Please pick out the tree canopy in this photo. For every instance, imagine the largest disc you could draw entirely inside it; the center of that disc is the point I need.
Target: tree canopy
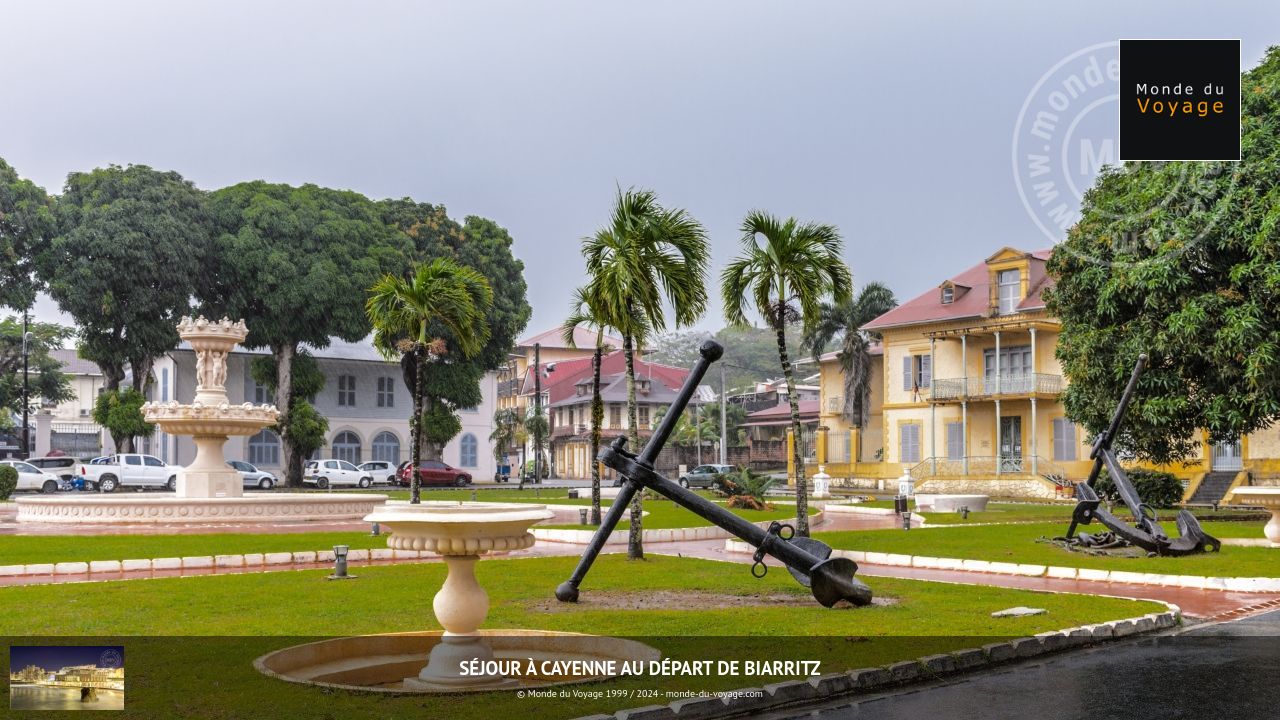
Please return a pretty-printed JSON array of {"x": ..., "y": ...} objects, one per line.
[
  {"x": 44, "y": 373},
  {"x": 26, "y": 224},
  {"x": 1180, "y": 261},
  {"x": 131, "y": 245}
]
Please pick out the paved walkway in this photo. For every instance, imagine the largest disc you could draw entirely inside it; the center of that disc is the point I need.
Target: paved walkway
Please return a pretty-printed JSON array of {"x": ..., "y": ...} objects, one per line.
[{"x": 1211, "y": 671}]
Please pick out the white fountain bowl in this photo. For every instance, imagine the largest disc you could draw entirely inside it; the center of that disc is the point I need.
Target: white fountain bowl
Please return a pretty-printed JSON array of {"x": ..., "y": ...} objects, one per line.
[
  {"x": 1267, "y": 497},
  {"x": 169, "y": 509},
  {"x": 459, "y": 528}
]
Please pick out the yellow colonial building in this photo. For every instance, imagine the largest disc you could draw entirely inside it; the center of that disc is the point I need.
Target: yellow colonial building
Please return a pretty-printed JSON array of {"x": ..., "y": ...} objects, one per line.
[{"x": 965, "y": 398}]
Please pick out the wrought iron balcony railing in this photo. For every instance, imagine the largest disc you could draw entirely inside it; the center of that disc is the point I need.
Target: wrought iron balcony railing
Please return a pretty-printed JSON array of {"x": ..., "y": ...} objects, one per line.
[
  {"x": 1005, "y": 385},
  {"x": 986, "y": 466}
]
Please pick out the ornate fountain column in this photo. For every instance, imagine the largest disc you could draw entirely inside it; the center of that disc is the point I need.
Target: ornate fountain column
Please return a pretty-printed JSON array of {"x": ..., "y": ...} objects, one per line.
[{"x": 210, "y": 419}]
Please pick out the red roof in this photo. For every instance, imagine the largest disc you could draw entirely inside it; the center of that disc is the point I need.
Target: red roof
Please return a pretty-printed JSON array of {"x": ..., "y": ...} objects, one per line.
[
  {"x": 583, "y": 338},
  {"x": 972, "y": 297},
  {"x": 559, "y": 383},
  {"x": 781, "y": 413}
]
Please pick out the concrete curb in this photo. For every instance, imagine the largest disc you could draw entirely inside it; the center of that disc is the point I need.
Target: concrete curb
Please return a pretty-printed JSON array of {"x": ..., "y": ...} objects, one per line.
[
  {"x": 752, "y": 701},
  {"x": 1233, "y": 584},
  {"x": 619, "y": 537}
]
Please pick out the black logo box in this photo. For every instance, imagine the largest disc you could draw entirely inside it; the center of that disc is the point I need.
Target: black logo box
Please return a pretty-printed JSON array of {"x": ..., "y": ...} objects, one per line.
[{"x": 1160, "y": 77}]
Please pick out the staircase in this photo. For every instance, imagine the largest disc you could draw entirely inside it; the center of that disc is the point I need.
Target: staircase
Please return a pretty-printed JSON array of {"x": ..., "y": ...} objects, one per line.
[{"x": 1213, "y": 487}]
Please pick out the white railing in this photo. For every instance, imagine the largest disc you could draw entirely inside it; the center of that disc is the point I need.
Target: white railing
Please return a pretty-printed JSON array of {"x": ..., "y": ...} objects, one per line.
[{"x": 1020, "y": 384}]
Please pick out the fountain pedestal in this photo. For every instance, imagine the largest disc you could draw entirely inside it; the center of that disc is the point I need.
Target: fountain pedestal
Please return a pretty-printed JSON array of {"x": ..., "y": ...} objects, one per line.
[
  {"x": 1266, "y": 497},
  {"x": 461, "y": 533}
]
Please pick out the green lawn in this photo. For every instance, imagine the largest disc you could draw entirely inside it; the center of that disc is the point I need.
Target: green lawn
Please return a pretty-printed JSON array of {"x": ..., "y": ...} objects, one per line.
[
  {"x": 212, "y": 676},
  {"x": 1009, "y": 512},
  {"x": 663, "y": 514},
  {"x": 1018, "y": 543},
  {"x": 30, "y": 549}
]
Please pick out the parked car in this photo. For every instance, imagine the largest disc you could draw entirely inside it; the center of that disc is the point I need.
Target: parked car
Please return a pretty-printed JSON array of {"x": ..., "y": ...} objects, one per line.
[
  {"x": 381, "y": 470},
  {"x": 324, "y": 473},
  {"x": 703, "y": 476},
  {"x": 252, "y": 476},
  {"x": 63, "y": 466},
  {"x": 31, "y": 477},
  {"x": 434, "y": 472},
  {"x": 131, "y": 470}
]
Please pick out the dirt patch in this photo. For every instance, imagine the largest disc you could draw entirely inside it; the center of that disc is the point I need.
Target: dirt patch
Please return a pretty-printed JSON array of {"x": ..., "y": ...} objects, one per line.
[{"x": 668, "y": 599}]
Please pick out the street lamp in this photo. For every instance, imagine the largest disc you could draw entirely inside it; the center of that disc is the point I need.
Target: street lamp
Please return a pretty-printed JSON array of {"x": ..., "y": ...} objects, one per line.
[
  {"x": 340, "y": 563},
  {"x": 27, "y": 337}
]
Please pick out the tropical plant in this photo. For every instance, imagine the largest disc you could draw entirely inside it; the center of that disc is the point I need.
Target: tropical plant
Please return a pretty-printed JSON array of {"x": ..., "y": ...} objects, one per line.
[
  {"x": 537, "y": 427},
  {"x": 120, "y": 412},
  {"x": 844, "y": 321},
  {"x": 647, "y": 257},
  {"x": 8, "y": 481},
  {"x": 405, "y": 311},
  {"x": 586, "y": 311},
  {"x": 746, "y": 489},
  {"x": 504, "y": 433},
  {"x": 44, "y": 378},
  {"x": 785, "y": 271}
]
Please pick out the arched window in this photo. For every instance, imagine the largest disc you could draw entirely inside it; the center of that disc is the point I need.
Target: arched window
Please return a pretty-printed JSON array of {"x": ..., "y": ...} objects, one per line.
[
  {"x": 264, "y": 448},
  {"x": 468, "y": 451},
  {"x": 346, "y": 446},
  {"x": 386, "y": 446}
]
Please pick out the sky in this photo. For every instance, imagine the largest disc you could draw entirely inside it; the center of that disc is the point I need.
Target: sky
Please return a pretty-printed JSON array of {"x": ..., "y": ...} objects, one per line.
[
  {"x": 56, "y": 657},
  {"x": 894, "y": 121}
]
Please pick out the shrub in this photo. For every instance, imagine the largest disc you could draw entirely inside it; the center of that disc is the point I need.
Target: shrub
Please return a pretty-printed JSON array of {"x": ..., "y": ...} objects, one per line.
[
  {"x": 1156, "y": 488},
  {"x": 8, "y": 481},
  {"x": 744, "y": 490}
]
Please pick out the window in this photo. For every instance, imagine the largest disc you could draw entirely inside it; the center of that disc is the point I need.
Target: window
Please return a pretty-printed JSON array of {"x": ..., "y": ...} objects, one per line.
[
  {"x": 260, "y": 394},
  {"x": 347, "y": 390},
  {"x": 264, "y": 448},
  {"x": 164, "y": 384},
  {"x": 909, "y": 443},
  {"x": 467, "y": 456},
  {"x": 344, "y": 465},
  {"x": 1064, "y": 439},
  {"x": 152, "y": 461},
  {"x": 1009, "y": 290},
  {"x": 615, "y": 416},
  {"x": 917, "y": 371},
  {"x": 955, "y": 441},
  {"x": 386, "y": 446},
  {"x": 132, "y": 460},
  {"x": 346, "y": 446},
  {"x": 386, "y": 392},
  {"x": 642, "y": 416},
  {"x": 948, "y": 295}
]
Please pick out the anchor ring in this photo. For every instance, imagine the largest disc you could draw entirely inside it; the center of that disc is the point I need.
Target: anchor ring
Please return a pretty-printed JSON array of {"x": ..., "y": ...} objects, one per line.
[{"x": 764, "y": 570}]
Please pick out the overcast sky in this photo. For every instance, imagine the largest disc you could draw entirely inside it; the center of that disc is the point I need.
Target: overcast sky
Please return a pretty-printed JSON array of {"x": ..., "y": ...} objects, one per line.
[{"x": 892, "y": 120}]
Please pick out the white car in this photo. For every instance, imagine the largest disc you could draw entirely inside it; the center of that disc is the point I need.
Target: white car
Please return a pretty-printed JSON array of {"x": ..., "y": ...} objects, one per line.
[
  {"x": 252, "y": 476},
  {"x": 130, "y": 470},
  {"x": 31, "y": 477},
  {"x": 325, "y": 473},
  {"x": 381, "y": 470}
]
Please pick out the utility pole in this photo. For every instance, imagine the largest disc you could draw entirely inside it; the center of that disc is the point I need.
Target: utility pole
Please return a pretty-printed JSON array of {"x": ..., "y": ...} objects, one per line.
[
  {"x": 26, "y": 391},
  {"x": 537, "y": 409},
  {"x": 724, "y": 436}
]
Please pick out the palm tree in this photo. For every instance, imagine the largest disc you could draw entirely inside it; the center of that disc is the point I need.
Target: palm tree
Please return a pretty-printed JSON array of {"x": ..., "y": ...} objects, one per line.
[
  {"x": 504, "y": 433},
  {"x": 645, "y": 258},
  {"x": 844, "y": 320},
  {"x": 408, "y": 312},
  {"x": 786, "y": 277},
  {"x": 586, "y": 311}
]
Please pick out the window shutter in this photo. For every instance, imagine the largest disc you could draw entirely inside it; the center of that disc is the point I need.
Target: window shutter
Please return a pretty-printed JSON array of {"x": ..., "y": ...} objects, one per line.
[
  {"x": 906, "y": 372},
  {"x": 926, "y": 371}
]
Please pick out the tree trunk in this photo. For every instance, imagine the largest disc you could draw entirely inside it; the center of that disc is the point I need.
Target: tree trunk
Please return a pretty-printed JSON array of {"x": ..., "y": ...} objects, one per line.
[
  {"x": 142, "y": 372},
  {"x": 635, "y": 542},
  {"x": 797, "y": 432},
  {"x": 284, "y": 403},
  {"x": 415, "y": 427},
  {"x": 597, "y": 417}
]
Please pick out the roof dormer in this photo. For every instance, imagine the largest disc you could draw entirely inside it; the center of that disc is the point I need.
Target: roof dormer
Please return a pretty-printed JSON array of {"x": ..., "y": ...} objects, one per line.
[
  {"x": 949, "y": 292},
  {"x": 1009, "y": 274}
]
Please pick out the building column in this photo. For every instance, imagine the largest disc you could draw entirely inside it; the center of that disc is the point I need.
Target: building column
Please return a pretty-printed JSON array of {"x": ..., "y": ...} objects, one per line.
[
  {"x": 997, "y": 393},
  {"x": 964, "y": 433},
  {"x": 791, "y": 458},
  {"x": 933, "y": 407},
  {"x": 820, "y": 439},
  {"x": 855, "y": 448},
  {"x": 1034, "y": 447}
]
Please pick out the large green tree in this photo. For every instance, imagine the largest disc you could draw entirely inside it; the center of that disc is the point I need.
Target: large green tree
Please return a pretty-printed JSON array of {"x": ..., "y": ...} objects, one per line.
[
  {"x": 785, "y": 271},
  {"x": 45, "y": 378},
  {"x": 1180, "y": 261},
  {"x": 404, "y": 311},
  {"x": 843, "y": 321},
  {"x": 307, "y": 427},
  {"x": 485, "y": 247},
  {"x": 131, "y": 245},
  {"x": 295, "y": 264},
  {"x": 26, "y": 224},
  {"x": 646, "y": 258}
]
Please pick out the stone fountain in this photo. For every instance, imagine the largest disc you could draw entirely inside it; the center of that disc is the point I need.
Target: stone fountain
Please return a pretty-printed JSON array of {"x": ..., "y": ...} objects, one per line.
[
  {"x": 208, "y": 491},
  {"x": 433, "y": 662},
  {"x": 1265, "y": 497}
]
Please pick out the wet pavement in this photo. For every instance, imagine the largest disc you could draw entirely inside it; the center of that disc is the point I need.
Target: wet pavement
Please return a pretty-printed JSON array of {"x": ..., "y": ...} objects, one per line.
[{"x": 1213, "y": 671}]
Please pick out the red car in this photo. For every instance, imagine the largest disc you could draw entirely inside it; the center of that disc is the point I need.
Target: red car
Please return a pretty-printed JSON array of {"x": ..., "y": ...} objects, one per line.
[{"x": 434, "y": 472}]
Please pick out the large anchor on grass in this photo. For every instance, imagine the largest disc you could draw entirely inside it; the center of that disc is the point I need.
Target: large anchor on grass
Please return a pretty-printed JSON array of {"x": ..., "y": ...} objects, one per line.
[
  {"x": 1145, "y": 532},
  {"x": 830, "y": 579}
]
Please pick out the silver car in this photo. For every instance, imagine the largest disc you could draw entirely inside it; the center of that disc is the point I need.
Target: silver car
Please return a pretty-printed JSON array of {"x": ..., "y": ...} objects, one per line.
[
  {"x": 704, "y": 475},
  {"x": 252, "y": 476},
  {"x": 381, "y": 470}
]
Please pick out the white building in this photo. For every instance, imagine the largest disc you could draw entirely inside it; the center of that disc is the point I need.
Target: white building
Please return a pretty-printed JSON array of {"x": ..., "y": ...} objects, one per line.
[{"x": 364, "y": 399}]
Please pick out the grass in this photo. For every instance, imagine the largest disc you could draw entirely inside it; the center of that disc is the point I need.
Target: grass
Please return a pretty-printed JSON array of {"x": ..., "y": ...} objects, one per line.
[
  {"x": 1011, "y": 512},
  {"x": 664, "y": 514},
  {"x": 1018, "y": 543},
  {"x": 212, "y": 676},
  {"x": 31, "y": 549}
]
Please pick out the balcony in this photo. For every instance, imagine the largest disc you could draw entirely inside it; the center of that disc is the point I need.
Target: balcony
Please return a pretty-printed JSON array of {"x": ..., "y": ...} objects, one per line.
[{"x": 989, "y": 388}]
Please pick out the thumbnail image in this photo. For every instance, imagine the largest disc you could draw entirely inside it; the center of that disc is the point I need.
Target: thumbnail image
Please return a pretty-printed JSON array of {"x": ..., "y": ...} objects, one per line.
[{"x": 66, "y": 677}]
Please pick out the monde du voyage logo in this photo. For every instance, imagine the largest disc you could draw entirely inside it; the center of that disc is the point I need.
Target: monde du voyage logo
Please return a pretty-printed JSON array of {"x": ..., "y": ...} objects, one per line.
[{"x": 1179, "y": 100}]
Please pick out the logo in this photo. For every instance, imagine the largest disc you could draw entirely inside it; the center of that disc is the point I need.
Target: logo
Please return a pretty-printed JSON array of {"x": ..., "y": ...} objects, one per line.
[{"x": 110, "y": 658}]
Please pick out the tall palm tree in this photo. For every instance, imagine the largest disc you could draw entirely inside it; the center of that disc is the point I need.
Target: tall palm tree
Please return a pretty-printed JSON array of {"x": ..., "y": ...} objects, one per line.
[
  {"x": 786, "y": 269},
  {"x": 647, "y": 257},
  {"x": 406, "y": 312},
  {"x": 586, "y": 311},
  {"x": 845, "y": 320}
]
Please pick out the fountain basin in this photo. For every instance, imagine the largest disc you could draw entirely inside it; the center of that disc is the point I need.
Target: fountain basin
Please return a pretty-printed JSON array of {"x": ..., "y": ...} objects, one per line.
[
  {"x": 1266, "y": 497},
  {"x": 167, "y": 508},
  {"x": 381, "y": 663}
]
